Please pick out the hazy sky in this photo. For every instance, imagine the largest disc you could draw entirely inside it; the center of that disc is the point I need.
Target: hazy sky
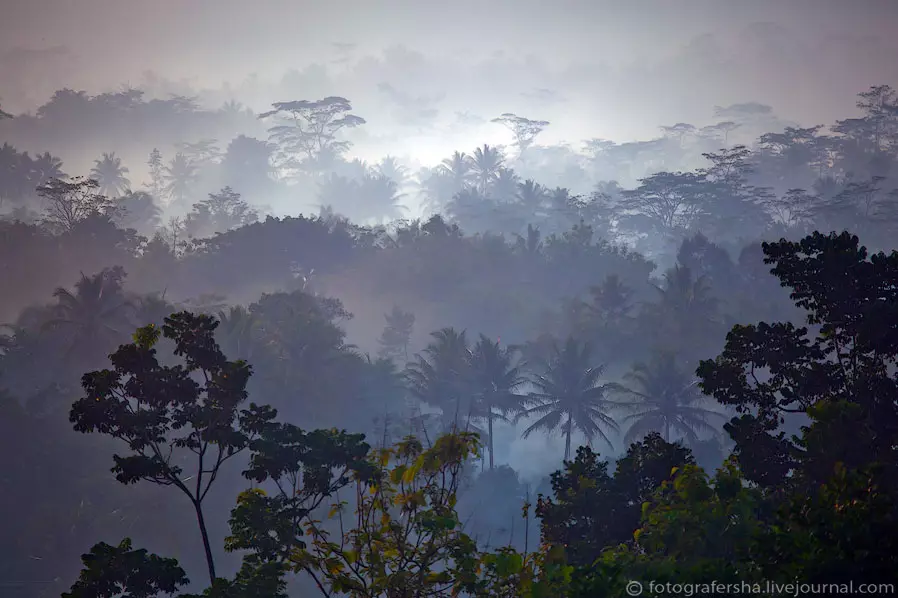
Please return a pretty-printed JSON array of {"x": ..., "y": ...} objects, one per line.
[
  {"x": 183, "y": 36},
  {"x": 662, "y": 60},
  {"x": 216, "y": 31}
]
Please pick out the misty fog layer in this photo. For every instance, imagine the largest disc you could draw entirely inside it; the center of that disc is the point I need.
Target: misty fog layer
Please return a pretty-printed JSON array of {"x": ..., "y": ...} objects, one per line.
[{"x": 533, "y": 222}]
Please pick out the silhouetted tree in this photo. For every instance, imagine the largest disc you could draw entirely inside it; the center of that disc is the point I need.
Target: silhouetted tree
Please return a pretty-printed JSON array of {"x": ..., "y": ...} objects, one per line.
[
  {"x": 670, "y": 201},
  {"x": 397, "y": 334},
  {"x": 157, "y": 174},
  {"x": 307, "y": 130},
  {"x": 505, "y": 185},
  {"x": 95, "y": 314},
  {"x": 495, "y": 381},
  {"x": 180, "y": 175},
  {"x": 570, "y": 396},
  {"x": 792, "y": 210},
  {"x": 390, "y": 168},
  {"x": 590, "y": 510},
  {"x": 138, "y": 210},
  {"x": 485, "y": 164},
  {"x": 680, "y": 132},
  {"x": 877, "y": 129},
  {"x": 110, "y": 175},
  {"x": 850, "y": 302},
  {"x": 439, "y": 377},
  {"x": 532, "y": 197},
  {"x": 70, "y": 202},
  {"x": 524, "y": 129},
  {"x": 200, "y": 153},
  {"x": 247, "y": 167},
  {"x": 731, "y": 205},
  {"x": 222, "y": 211},
  {"x": 471, "y": 210},
  {"x": 378, "y": 196},
  {"x": 163, "y": 414},
  {"x": 236, "y": 332},
  {"x": 685, "y": 314},
  {"x": 719, "y": 132},
  {"x": 21, "y": 175},
  {"x": 458, "y": 168},
  {"x": 665, "y": 398},
  {"x": 112, "y": 571},
  {"x": 44, "y": 168}
]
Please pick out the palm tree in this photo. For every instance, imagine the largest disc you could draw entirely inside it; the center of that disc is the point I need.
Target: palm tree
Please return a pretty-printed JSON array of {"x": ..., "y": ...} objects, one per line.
[
  {"x": 96, "y": 312},
  {"x": 611, "y": 301},
  {"x": 44, "y": 168},
  {"x": 685, "y": 295},
  {"x": 607, "y": 312},
  {"x": 469, "y": 209},
  {"x": 393, "y": 170},
  {"x": 235, "y": 331},
  {"x": 667, "y": 398},
  {"x": 458, "y": 168},
  {"x": 570, "y": 395},
  {"x": 355, "y": 169},
  {"x": 110, "y": 174},
  {"x": 151, "y": 309},
  {"x": 436, "y": 187},
  {"x": 180, "y": 174},
  {"x": 439, "y": 377},
  {"x": 531, "y": 195},
  {"x": 381, "y": 384},
  {"x": 505, "y": 186},
  {"x": 566, "y": 208},
  {"x": 378, "y": 197},
  {"x": 495, "y": 380},
  {"x": 139, "y": 211},
  {"x": 686, "y": 315},
  {"x": 337, "y": 192},
  {"x": 485, "y": 164}
]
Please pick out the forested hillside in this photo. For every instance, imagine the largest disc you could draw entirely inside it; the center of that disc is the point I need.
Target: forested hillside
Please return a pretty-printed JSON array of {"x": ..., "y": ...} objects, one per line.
[{"x": 250, "y": 364}]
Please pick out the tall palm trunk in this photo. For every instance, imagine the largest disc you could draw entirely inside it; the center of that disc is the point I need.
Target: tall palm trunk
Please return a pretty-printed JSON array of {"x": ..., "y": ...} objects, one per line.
[
  {"x": 666, "y": 430},
  {"x": 567, "y": 439},
  {"x": 489, "y": 424}
]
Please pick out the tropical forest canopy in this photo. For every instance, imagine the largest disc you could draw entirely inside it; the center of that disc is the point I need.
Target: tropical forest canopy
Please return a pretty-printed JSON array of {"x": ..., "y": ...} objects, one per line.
[{"x": 251, "y": 364}]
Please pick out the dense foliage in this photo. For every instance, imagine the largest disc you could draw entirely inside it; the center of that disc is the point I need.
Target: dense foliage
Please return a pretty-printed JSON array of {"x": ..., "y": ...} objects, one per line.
[{"x": 339, "y": 403}]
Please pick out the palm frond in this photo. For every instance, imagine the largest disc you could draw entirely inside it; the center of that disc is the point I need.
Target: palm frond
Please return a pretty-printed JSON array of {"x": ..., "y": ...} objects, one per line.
[{"x": 548, "y": 423}]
